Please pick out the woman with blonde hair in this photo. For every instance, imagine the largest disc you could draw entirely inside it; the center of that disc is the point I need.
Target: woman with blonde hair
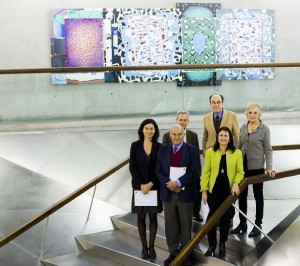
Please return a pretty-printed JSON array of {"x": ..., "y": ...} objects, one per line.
[{"x": 255, "y": 145}]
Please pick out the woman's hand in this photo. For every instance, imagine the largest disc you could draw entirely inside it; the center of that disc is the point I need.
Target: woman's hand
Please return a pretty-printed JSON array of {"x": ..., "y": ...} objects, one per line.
[
  {"x": 146, "y": 187},
  {"x": 271, "y": 173},
  {"x": 204, "y": 197},
  {"x": 235, "y": 189}
]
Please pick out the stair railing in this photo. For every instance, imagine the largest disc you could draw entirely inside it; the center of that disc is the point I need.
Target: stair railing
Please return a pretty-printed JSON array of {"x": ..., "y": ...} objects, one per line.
[
  {"x": 225, "y": 205},
  {"x": 46, "y": 213},
  {"x": 205, "y": 229}
]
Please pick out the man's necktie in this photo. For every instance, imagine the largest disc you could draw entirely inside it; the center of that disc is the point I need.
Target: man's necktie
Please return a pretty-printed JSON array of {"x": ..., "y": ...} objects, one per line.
[
  {"x": 175, "y": 149},
  {"x": 217, "y": 117}
]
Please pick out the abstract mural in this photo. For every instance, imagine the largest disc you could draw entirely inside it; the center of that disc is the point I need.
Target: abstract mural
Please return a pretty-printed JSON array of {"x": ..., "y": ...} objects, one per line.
[
  {"x": 246, "y": 36},
  {"x": 198, "y": 43},
  {"x": 147, "y": 37},
  {"x": 191, "y": 33}
]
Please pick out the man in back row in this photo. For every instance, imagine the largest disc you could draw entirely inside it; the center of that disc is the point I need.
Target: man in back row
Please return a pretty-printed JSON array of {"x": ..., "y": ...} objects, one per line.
[
  {"x": 218, "y": 117},
  {"x": 190, "y": 137}
]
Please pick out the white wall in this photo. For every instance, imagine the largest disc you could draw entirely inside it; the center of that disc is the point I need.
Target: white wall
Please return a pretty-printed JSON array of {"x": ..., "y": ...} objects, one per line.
[{"x": 25, "y": 43}]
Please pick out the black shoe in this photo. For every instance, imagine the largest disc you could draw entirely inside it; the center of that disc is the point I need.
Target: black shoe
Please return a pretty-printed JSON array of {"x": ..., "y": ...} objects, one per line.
[
  {"x": 255, "y": 232},
  {"x": 222, "y": 250},
  {"x": 241, "y": 228},
  {"x": 198, "y": 218},
  {"x": 187, "y": 262},
  {"x": 210, "y": 252},
  {"x": 152, "y": 254},
  {"x": 169, "y": 260},
  {"x": 145, "y": 254}
]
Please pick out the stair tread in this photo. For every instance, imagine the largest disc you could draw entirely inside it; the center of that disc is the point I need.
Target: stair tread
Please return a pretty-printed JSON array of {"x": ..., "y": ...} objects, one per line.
[{"x": 82, "y": 259}]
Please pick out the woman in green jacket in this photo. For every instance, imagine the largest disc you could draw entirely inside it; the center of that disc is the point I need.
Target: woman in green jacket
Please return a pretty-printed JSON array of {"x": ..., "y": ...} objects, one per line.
[{"x": 222, "y": 172}]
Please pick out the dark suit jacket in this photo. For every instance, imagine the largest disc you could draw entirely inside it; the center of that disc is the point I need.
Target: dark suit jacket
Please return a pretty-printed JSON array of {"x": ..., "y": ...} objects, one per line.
[
  {"x": 191, "y": 138},
  {"x": 143, "y": 171},
  {"x": 190, "y": 160}
]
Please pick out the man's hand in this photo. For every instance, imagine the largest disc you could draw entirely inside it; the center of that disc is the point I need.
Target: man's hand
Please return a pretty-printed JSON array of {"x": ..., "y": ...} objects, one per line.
[{"x": 172, "y": 185}]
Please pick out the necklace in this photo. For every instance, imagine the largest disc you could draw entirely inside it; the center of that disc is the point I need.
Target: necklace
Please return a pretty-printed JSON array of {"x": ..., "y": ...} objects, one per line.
[{"x": 252, "y": 127}]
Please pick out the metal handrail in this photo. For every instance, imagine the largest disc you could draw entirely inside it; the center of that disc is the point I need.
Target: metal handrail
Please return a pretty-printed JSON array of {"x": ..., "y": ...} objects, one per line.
[
  {"x": 223, "y": 208},
  {"x": 38, "y": 218},
  {"x": 158, "y": 67}
]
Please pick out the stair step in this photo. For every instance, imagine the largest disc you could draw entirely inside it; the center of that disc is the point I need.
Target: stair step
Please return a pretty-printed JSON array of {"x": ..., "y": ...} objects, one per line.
[
  {"x": 119, "y": 247},
  {"x": 83, "y": 259}
]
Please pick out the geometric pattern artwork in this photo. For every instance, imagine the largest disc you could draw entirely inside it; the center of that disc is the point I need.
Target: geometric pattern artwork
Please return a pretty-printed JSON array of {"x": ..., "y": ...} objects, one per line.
[
  {"x": 198, "y": 43},
  {"x": 77, "y": 41},
  {"x": 148, "y": 37},
  {"x": 246, "y": 36},
  {"x": 191, "y": 33},
  {"x": 84, "y": 42}
]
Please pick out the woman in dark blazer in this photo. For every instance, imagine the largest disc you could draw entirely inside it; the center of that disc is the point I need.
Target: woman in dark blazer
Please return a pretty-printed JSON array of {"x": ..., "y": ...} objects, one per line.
[{"x": 143, "y": 156}]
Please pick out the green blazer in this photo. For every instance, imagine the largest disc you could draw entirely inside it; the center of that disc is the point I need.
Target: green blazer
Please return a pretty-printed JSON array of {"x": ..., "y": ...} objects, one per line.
[{"x": 235, "y": 170}]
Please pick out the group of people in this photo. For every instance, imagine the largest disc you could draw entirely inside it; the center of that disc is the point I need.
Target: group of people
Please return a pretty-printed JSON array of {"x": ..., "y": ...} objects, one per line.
[{"x": 173, "y": 170}]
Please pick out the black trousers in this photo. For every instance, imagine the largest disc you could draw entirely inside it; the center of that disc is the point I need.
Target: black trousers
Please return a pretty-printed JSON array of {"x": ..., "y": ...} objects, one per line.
[
  {"x": 214, "y": 200},
  {"x": 258, "y": 196}
]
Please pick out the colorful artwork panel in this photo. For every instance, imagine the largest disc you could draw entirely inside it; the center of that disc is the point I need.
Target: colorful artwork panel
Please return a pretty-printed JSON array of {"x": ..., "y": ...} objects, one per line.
[
  {"x": 84, "y": 42},
  {"x": 77, "y": 41},
  {"x": 246, "y": 36},
  {"x": 198, "y": 42},
  {"x": 148, "y": 37}
]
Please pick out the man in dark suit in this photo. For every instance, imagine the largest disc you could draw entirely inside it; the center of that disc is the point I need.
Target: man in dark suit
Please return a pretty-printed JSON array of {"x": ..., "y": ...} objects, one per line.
[
  {"x": 182, "y": 118},
  {"x": 178, "y": 194}
]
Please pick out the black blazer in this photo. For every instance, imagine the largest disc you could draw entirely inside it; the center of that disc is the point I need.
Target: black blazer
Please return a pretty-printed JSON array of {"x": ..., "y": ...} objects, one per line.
[{"x": 143, "y": 171}]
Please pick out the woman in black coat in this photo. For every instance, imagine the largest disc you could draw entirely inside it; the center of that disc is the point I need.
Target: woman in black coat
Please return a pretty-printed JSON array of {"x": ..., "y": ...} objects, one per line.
[{"x": 143, "y": 155}]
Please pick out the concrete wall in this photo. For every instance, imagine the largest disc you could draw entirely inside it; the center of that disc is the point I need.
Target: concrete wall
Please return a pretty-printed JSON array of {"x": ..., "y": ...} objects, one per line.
[{"x": 25, "y": 43}]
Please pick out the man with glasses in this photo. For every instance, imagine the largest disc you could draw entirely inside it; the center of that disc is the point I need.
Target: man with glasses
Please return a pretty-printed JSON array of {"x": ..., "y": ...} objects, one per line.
[
  {"x": 190, "y": 137},
  {"x": 177, "y": 170},
  {"x": 218, "y": 117}
]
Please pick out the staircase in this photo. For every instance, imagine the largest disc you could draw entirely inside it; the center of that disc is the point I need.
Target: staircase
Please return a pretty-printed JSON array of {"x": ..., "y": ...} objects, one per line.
[{"x": 122, "y": 246}]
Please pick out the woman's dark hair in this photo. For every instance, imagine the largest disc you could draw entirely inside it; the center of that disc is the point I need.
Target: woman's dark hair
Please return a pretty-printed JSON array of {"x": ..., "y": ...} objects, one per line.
[
  {"x": 230, "y": 145},
  {"x": 145, "y": 122}
]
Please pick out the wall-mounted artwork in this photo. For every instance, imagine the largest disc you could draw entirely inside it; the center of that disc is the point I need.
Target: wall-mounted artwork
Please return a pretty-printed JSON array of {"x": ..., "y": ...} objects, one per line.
[
  {"x": 246, "y": 36},
  {"x": 77, "y": 41},
  {"x": 147, "y": 37},
  {"x": 199, "y": 42},
  {"x": 192, "y": 33}
]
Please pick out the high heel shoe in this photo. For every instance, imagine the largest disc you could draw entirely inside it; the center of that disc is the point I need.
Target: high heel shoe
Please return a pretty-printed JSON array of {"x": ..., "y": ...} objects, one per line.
[
  {"x": 222, "y": 250},
  {"x": 145, "y": 254},
  {"x": 210, "y": 252},
  {"x": 255, "y": 231},
  {"x": 152, "y": 254},
  {"x": 241, "y": 228}
]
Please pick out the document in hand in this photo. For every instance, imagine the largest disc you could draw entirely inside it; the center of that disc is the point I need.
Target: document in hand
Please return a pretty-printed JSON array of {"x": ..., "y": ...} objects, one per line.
[
  {"x": 149, "y": 199},
  {"x": 205, "y": 211},
  {"x": 176, "y": 172}
]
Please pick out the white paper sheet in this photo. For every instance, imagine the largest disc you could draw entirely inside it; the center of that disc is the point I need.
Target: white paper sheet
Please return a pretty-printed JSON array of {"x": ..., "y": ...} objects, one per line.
[
  {"x": 149, "y": 199},
  {"x": 176, "y": 172},
  {"x": 204, "y": 210}
]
